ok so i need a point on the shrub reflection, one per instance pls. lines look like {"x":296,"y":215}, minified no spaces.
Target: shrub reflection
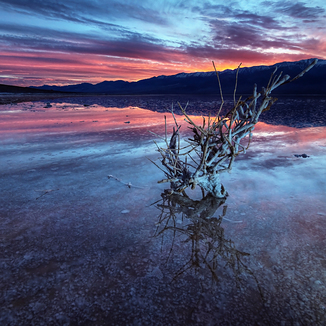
{"x":195,"y":222}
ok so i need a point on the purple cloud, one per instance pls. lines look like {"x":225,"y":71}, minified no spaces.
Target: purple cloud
{"x":122,"y":39}
{"x":296,"y":9}
{"x":235,"y":35}
{"x":84,"y":11}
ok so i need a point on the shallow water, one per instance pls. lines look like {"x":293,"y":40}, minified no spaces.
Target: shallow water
{"x":77,"y":248}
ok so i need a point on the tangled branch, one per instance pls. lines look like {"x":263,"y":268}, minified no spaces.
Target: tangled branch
{"x":216,"y":143}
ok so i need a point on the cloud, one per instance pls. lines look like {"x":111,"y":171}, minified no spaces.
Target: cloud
{"x":232,"y":55}
{"x":234,"y":28}
{"x":237,"y":35}
{"x":233,"y":13}
{"x":129,"y":45}
{"x":135,"y":47}
{"x":247,"y":57}
{"x":84,"y":11}
{"x":88,"y":40}
{"x":299,"y":10}
{"x":207,"y":9}
{"x":266,"y":22}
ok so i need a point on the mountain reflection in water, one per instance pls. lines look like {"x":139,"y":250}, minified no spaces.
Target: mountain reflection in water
{"x":289,"y":111}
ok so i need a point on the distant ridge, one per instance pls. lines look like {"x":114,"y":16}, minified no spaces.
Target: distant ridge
{"x":17,"y":89}
{"x":313,"y":82}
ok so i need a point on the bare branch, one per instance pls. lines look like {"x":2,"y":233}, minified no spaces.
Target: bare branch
{"x":217,"y":143}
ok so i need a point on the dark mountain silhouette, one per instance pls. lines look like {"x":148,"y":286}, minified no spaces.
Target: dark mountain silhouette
{"x":17,"y":89}
{"x":313,"y":82}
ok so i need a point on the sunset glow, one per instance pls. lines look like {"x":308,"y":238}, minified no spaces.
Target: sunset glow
{"x":59,"y":43}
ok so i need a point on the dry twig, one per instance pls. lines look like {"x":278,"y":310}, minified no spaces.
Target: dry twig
{"x":129,"y":185}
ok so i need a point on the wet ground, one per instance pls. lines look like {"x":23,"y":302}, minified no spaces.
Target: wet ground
{"x":14,"y":97}
{"x":79,"y":248}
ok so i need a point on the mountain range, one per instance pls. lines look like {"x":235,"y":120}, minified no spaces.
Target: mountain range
{"x":313,"y":82}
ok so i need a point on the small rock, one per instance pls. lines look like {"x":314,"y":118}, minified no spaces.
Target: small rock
{"x":125,"y":211}
{"x":62,"y":319}
{"x":156,"y":272}
{"x":80,"y":302}
{"x":301,"y":155}
{"x":38,"y":307}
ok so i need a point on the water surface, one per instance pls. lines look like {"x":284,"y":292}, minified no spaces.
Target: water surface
{"x":79,"y":248}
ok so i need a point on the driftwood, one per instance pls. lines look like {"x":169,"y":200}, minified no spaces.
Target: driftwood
{"x":216,"y":143}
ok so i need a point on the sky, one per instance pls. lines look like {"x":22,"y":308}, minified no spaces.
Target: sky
{"x":59,"y":42}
